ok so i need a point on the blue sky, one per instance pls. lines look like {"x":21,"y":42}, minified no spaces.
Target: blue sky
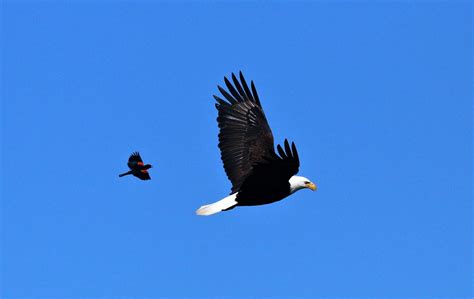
{"x":377,"y":97}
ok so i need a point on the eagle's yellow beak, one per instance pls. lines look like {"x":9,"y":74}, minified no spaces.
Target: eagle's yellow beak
{"x":311,"y":186}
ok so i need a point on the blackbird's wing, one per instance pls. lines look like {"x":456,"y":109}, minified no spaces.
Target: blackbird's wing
{"x":134,"y":161}
{"x":143,"y":175}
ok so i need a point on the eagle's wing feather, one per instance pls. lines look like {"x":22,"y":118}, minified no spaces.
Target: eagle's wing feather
{"x":245,"y":138}
{"x":287,"y":164}
{"x":276,"y":169}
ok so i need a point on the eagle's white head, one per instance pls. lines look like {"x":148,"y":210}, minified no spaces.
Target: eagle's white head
{"x":299,"y":182}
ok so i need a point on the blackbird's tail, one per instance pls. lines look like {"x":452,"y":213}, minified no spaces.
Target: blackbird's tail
{"x":124,"y":174}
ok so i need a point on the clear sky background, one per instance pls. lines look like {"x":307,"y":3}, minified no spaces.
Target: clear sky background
{"x":377,"y":97}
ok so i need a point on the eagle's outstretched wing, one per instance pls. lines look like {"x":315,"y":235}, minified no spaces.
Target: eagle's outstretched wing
{"x":245,"y":138}
{"x":278,"y":168}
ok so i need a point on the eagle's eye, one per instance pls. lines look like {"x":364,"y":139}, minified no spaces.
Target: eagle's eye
{"x":306,"y":182}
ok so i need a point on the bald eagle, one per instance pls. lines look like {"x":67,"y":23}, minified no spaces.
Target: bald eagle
{"x":258,"y":174}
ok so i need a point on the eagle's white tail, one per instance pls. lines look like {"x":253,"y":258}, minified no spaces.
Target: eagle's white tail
{"x":218,"y":206}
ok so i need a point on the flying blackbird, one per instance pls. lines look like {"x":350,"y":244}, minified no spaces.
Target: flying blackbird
{"x":137,"y":167}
